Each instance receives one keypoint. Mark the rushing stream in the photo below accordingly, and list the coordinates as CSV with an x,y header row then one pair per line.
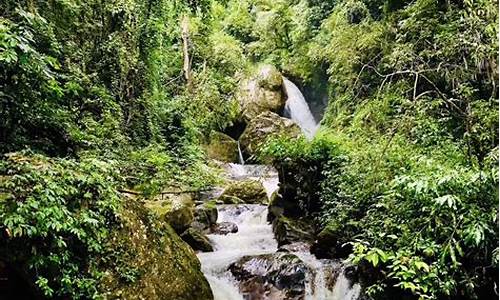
x,y
255,237
324,279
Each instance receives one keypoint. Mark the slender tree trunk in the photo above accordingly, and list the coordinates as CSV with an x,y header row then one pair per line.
x,y
185,51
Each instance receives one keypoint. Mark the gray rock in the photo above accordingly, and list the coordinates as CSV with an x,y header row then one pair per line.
x,y
279,274
224,228
197,240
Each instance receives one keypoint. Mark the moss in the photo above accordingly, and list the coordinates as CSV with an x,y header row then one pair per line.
x,y
177,210
222,147
248,191
148,260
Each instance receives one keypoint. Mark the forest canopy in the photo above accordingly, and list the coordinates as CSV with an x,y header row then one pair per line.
x,y
97,97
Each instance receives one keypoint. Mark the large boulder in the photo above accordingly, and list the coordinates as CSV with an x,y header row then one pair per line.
x,y
245,191
271,276
221,147
150,261
197,240
261,92
263,126
176,209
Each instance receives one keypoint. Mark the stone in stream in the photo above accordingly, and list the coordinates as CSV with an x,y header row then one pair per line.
x,y
176,209
245,191
263,126
205,216
271,276
224,228
330,243
221,147
197,240
287,230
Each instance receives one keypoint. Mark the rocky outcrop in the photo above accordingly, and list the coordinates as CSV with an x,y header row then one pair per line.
x,y
224,228
262,127
150,261
261,92
221,147
245,191
271,276
197,240
176,210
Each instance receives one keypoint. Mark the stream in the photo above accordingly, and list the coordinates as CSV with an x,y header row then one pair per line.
x,y
255,237
323,279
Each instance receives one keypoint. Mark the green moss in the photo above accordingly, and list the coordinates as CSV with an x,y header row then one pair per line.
x,y
168,267
222,147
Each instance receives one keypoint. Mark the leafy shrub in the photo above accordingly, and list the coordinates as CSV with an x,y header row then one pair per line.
x,y
56,216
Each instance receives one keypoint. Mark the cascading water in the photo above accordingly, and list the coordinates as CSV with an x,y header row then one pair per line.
x,y
240,154
297,109
255,237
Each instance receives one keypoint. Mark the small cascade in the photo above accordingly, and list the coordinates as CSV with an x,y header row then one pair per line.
x,y
326,279
254,237
297,109
240,155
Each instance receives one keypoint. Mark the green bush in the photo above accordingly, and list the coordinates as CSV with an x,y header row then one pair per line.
x,y
56,216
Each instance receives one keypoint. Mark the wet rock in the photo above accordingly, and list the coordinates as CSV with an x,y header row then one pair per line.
x,y
287,230
205,215
262,127
280,274
246,191
224,228
177,210
295,247
262,92
197,240
222,147
330,244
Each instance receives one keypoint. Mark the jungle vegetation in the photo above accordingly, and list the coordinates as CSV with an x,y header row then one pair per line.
x,y
95,98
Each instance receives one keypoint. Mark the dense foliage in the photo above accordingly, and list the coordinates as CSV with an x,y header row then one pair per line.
x,y
409,185
59,222
407,160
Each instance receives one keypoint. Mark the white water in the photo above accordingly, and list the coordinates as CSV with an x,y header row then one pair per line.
x,y
255,237
240,155
297,109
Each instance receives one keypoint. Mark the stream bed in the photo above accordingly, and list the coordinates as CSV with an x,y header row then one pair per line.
x,y
323,279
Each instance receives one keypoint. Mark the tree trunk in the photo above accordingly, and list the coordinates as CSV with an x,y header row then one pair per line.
x,y
185,51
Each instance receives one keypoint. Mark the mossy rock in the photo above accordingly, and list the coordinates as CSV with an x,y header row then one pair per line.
x,y
269,77
176,210
287,231
261,92
222,147
331,243
246,191
205,215
197,240
265,125
150,261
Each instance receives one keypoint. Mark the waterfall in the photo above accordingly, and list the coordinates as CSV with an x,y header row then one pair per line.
x,y
297,109
240,154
